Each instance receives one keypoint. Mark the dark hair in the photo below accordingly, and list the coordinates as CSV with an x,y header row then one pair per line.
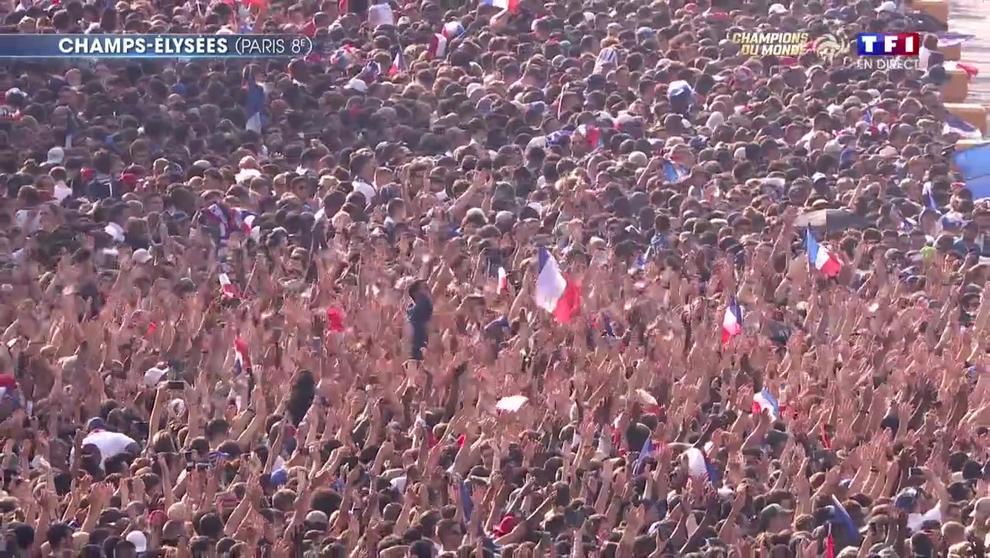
x,y
301,396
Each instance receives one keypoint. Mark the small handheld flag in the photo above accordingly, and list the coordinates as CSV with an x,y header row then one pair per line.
x,y
398,64
765,401
553,292
644,453
242,358
673,173
503,281
731,321
699,467
438,47
819,256
227,289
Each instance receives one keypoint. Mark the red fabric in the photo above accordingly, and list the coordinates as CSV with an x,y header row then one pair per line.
x,y
240,345
569,304
971,70
505,526
309,29
335,320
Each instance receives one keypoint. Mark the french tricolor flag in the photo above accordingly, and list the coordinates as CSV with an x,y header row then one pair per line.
x,y
398,64
227,288
765,401
438,47
592,136
699,467
554,293
510,5
731,321
503,281
242,360
819,257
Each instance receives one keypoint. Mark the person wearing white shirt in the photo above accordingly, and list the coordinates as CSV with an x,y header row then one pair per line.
x,y
362,167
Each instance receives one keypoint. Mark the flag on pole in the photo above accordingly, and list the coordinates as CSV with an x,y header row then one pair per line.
x,y
731,321
819,256
553,292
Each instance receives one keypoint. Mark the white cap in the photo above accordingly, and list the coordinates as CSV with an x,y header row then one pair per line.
x,y
153,375
888,151
357,85
777,9
139,540
888,6
55,156
141,256
638,158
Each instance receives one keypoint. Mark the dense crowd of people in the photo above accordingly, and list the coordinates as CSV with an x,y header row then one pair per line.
x,y
517,278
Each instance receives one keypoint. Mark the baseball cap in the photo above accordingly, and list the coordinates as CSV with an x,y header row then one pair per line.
x,y
887,6
358,85
141,256
777,9
56,156
95,423
139,540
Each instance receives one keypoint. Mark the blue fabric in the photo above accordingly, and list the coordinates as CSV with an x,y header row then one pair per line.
x,y
419,314
254,102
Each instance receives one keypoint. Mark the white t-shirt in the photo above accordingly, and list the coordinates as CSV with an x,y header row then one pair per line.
x,y
111,444
366,190
916,520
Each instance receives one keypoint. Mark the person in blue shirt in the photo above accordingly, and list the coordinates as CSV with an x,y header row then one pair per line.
x,y
419,313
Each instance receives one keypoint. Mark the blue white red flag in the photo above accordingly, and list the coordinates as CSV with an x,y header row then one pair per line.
x,y
820,258
553,291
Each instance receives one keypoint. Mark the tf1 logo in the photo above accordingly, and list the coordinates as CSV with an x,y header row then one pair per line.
x,y
882,44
